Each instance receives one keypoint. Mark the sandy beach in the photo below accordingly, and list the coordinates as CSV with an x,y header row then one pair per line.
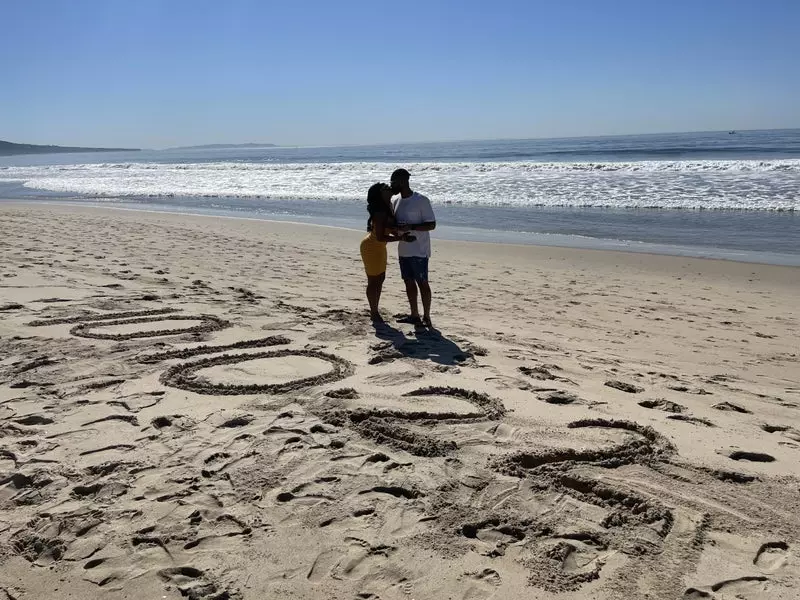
x,y
198,407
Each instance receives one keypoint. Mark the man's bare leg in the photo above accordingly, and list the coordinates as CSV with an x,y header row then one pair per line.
x,y
425,292
411,292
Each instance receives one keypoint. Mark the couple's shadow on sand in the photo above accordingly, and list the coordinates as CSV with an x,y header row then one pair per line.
x,y
426,343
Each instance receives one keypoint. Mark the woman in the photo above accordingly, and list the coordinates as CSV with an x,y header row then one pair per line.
x,y
381,226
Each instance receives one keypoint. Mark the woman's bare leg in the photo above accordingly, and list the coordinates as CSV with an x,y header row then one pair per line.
x,y
374,289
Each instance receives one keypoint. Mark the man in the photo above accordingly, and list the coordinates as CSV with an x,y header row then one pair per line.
x,y
414,213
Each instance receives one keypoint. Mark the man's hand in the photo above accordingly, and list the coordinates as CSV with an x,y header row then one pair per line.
x,y
427,226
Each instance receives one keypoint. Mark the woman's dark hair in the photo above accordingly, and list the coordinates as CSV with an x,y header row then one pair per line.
x,y
375,203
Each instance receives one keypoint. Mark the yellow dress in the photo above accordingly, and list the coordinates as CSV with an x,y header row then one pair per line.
x,y
373,253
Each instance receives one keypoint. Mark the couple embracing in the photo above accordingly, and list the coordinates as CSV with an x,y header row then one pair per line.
x,y
406,222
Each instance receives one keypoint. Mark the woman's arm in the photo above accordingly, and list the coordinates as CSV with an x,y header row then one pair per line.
x,y
379,225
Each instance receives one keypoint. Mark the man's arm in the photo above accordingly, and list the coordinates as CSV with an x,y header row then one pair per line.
x,y
381,231
426,226
428,218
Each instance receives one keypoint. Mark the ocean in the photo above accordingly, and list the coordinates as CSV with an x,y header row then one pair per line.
x,y
732,195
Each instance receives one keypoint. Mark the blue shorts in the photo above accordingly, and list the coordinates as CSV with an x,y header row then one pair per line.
x,y
414,268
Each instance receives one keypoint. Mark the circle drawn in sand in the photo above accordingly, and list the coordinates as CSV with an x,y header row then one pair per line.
x,y
273,340
261,370
422,409
636,524
184,376
383,424
130,314
206,323
492,408
644,447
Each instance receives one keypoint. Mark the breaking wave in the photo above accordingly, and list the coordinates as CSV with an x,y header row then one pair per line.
x,y
693,184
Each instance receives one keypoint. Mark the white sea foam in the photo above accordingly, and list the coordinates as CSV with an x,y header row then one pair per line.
x,y
709,184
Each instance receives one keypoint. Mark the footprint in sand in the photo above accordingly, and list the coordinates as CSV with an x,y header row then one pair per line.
x,y
237,421
193,583
771,556
138,401
108,573
751,456
731,407
399,521
510,383
99,492
695,594
503,432
785,430
111,448
569,564
494,531
396,491
482,585
49,539
101,385
623,386
310,493
749,587
392,379
358,561
544,373
750,583
692,420
214,531
29,420
663,404
362,559
561,397
322,565
130,419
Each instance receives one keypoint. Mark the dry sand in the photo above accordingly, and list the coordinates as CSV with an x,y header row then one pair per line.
x,y
580,424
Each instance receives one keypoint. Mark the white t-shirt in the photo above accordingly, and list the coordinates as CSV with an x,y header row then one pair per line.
x,y
414,210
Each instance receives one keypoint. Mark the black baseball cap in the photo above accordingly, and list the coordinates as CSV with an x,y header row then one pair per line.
x,y
400,174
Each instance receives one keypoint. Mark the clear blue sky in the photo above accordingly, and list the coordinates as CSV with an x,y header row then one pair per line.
x,y
149,73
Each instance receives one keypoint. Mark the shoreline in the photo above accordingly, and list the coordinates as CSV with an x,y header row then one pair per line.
x,y
459,233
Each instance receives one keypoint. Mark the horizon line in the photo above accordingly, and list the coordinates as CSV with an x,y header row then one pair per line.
x,y
278,146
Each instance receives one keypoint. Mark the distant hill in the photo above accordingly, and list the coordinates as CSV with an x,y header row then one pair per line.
x,y
223,146
10,148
